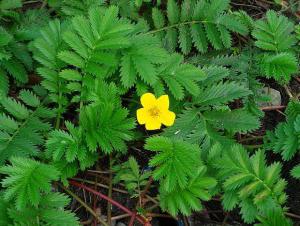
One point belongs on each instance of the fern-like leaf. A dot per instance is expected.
(106, 127)
(221, 93)
(187, 199)
(250, 183)
(49, 212)
(279, 66)
(46, 48)
(26, 180)
(179, 77)
(274, 33)
(175, 160)
(21, 129)
(198, 22)
(67, 151)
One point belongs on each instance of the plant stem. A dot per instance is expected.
(141, 219)
(270, 108)
(131, 222)
(292, 215)
(100, 185)
(57, 122)
(109, 190)
(288, 91)
(44, 4)
(114, 189)
(144, 192)
(83, 204)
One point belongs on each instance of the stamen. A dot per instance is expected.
(154, 112)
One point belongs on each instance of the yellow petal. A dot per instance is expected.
(163, 102)
(142, 115)
(167, 118)
(148, 100)
(153, 124)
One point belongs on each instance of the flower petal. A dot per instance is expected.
(142, 116)
(167, 118)
(163, 102)
(153, 124)
(148, 100)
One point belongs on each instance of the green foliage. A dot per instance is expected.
(221, 93)
(185, 200)
(106, 127)
(212, 126)
(4, 218)
(74, 7)
(296, 172)
(104, 122)
(249, 183)
(209, 119)
(129, 172)
(68, 152)
(197, 23)
(280, 66)
(285, 138)
(274, 218)
(238, 71)
(71, 76)
(29, 28)
(170, 171)
(14, 59)
(179, 77)
(22, 125)
(274, 33)
(103, 45)
(131, 8)
(46, 48)
(26, 181)
(50, 212)
(96, 41)
(7, 9)
(181, 174)
(275, 36)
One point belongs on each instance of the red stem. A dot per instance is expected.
(132, 219)
(139, 218)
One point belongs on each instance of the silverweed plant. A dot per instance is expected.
(135, 111)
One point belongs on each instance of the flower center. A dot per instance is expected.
(154, 112)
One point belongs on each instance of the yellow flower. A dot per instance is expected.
(155, 112)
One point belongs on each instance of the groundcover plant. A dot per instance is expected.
(149, 112)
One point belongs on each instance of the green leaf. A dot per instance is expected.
(169, 169)
(222, 93)
(70, 75)
(173, 11)
(71, 58)
(29, 98)
(274, 33)
(185, 41)
(10, 4)
(26, 178)
(15, 108)
(280, 66)
(187, 199)
(15, 69)
(236, 120)
(158, 18)
(7, 123)
(296, 172)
